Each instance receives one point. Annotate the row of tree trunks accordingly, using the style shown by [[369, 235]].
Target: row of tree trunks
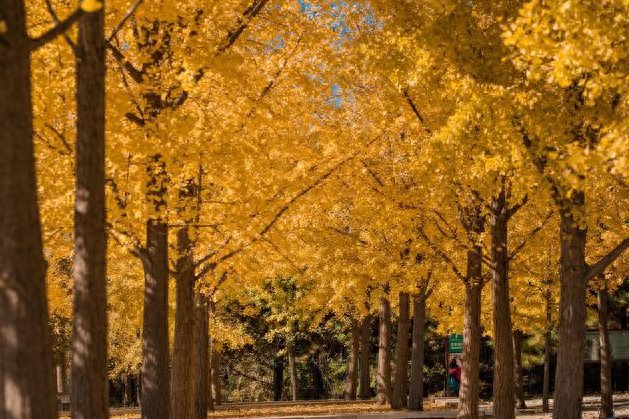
[[352, 373], [400, 384], [519, 377], [365, 358], [503, 351], [90, 393], [155, 377], [27, 387], [416, 393], [383, 380]]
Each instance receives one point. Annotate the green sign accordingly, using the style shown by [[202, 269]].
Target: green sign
[[456, 344]]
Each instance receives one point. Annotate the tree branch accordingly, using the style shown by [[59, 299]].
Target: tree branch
[[441, 254], [415, 110], [55, 19], [529, 236], [59, 29], [232, 36], [126, 17], [511, 211], [600, 266]]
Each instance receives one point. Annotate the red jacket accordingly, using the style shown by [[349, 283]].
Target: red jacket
[[456, 373]]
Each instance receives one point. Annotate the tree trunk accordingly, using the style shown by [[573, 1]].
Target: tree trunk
[[365, 358], [278, 378], [470, 380], [27, 384], [293, 371], [201, 357], [518, 376], [547, 348], [352, 371], [416, 394], [318, 383], [128, 390], [607, 404], [400, 385], [383, 382], [155, 378], [570, 353], [216, 374], [182, 374], [90, 393], [503, 352]]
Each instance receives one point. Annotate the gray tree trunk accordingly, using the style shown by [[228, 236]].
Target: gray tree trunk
[[155, 376], [182, 374], [503, 353], [383, 381], [292, 368], [400, 385], [365, 358], [216, 374], [416, 393], [27, 387], [547, 349], [569, 374], [352, 371], [518, 375], [470, 380], [607, 403], [201, 357], [90, 392]]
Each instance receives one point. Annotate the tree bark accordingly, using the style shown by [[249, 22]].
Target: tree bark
[[470, 380], [607, 404], [26, 392], [547, 349], [416, 393], [128, 390], [90, 393], [569, 374], [292, 368], [365, 358], [216, 374], [182, 374], [201, 357], [400, 385], [503, 352], [383, 382], [352, 371], [518, 376], [318, 383], [155, 377], [278, 378]]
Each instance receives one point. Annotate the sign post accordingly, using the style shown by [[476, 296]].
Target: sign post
[[454, 350]]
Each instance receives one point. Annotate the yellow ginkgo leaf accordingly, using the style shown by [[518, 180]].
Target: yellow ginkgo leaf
[[91, 6], [3, 27]]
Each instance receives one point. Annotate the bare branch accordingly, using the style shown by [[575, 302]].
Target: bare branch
[[529, 236], [232, 36], [59, 29], [415, 110], [126, 17], [55, 19], [441, 254], [600, 266]]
